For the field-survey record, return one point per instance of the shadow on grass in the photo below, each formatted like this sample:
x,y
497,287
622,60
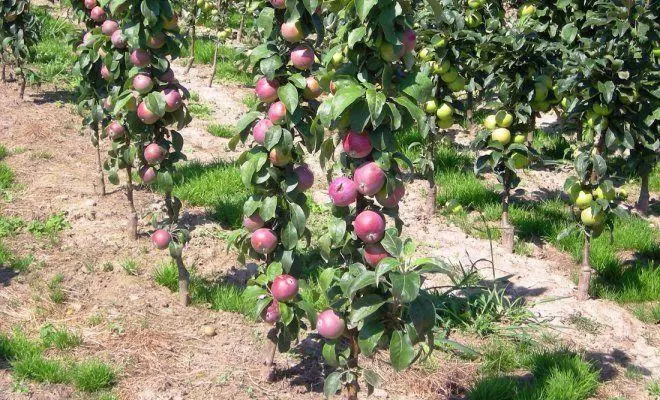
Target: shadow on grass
x,y
216,186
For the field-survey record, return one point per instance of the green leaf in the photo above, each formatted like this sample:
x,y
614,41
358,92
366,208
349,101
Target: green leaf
x,y
273,136
401,350
364,307
356,35
332,384
375,101
247,120
265,21
330,354
405,286
325,278
344,97
369,336
289,236
274,269
422,314
286,313
268,208
365,279
363,7
371,377
288,94
384,266
392,243
569,32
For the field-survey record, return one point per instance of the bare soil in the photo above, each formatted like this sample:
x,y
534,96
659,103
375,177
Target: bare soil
x,y
159,345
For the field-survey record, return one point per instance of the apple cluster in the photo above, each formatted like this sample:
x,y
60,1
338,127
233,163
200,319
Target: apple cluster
x,y
584,199
499,125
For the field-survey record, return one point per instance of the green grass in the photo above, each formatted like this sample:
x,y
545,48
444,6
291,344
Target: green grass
x,y
6,177
647,312
226,69
219,130
27,361
53,55
217,186
654,179
250,100
200,110
634,281
553,146
59,337
3,152
218,295
55,291
558,374
50,227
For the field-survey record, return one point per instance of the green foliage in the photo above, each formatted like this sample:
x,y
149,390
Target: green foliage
x,y
219,130
55,290
200,110
6,177
51,227
59,337
93,375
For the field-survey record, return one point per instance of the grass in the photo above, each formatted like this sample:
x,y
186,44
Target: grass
x,y
226,69
53,56
558,374
636,280
59,337
130,266
584,324
200,110
55,291
219,130
217,186
27,361
6,177
50,227
250,101
553,146
219,295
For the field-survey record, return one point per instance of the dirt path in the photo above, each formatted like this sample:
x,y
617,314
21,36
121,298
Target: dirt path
x,y
158,344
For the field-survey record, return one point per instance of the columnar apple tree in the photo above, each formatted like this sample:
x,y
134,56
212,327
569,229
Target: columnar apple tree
x,y
18,34
518,86
280,131
376,296
611,82
147,107
93,89
451,34
219,17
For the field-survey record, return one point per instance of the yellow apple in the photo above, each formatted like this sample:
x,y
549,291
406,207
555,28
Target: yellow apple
x,y
501,135
583,200
490,122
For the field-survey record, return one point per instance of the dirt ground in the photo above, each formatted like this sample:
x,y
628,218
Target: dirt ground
x,y
159,346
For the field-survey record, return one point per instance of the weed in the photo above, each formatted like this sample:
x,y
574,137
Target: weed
x,y
60,338
219,130
583,323
56,293
6,177
50,227
647,312
130,266
93,375
3,152
200,110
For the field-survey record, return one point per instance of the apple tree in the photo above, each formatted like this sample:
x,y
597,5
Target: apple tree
x,y
280,131
19,32
375,293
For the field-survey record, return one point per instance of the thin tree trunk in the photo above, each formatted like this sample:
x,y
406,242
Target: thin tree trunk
x,y
507,228
431,198
643,201
269,355
132,218
585,271
184,280
4,71
532,128
192,41
469,114
215,63
241,27
99,166
172,213
23,84
352,388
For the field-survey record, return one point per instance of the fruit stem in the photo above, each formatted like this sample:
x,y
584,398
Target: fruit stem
x,y
269,354
184,280
585,271
99,166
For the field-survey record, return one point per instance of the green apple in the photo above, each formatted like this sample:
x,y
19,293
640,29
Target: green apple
x,y
656,52
457,85
540,92
337,58
490,122
445,66
431,106
473,20
504,120
200,3
565,103
589,219
546,80
527,9
222,35
445,111
602,109
623,193
475,4
583,200
540,106
440,43
457,209
445,123
519,160
387,52
425,54
501,135
608,195
519,139
449,76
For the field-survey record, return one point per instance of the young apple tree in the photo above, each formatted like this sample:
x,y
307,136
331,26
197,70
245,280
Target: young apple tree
x,y
281,131
19,32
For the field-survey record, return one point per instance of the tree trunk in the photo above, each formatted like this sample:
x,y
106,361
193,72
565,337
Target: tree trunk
x,y
430,205
99,165
192,41
241,27
507,229
23,84
184,280
352,388
132,218
585,272
469,113
643,201
269,355
532,128
215,63
4,72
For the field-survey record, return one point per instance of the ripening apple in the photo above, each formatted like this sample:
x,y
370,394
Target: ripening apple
x,y
501,135
444,111
292,31
337,58
490,122
431,106
520,139
450,76
387,52
444,67
584,200
312,89
527,9
473,19
445,123
425,54
504,120
278,157
171,24
546,80
589,219
540,91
